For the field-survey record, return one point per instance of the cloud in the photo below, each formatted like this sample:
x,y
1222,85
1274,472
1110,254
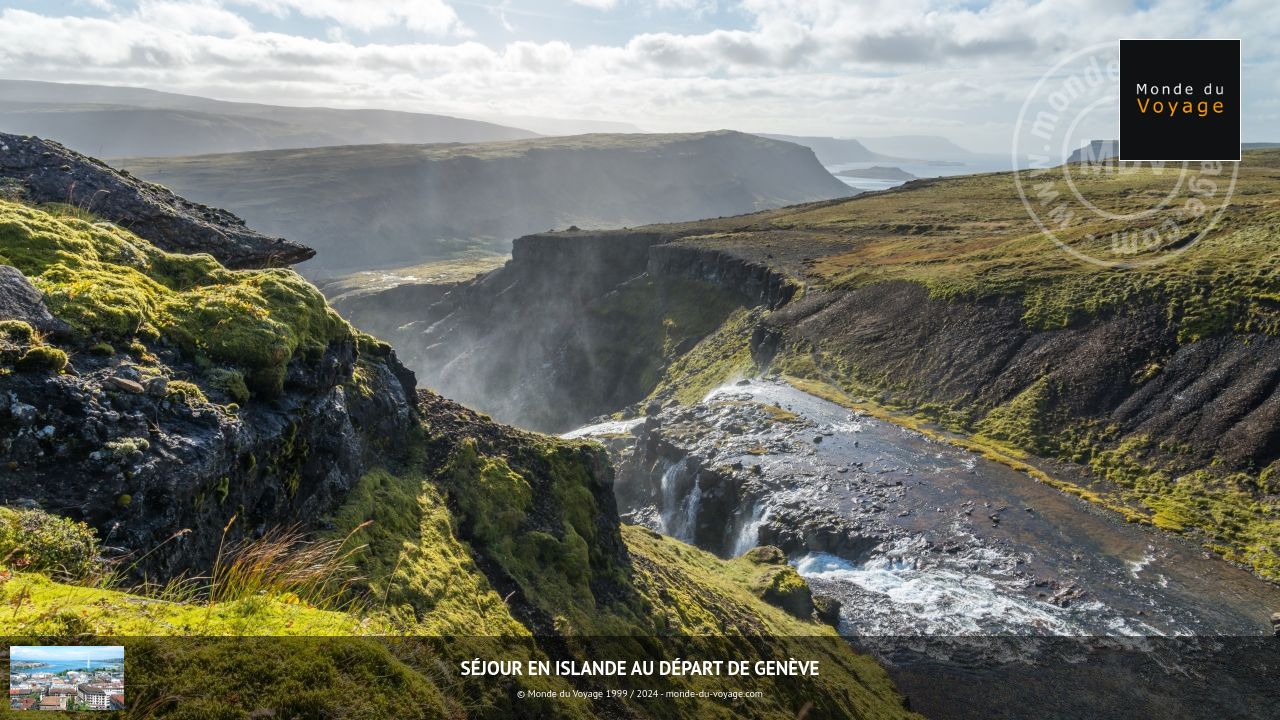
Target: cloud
x,y
426,16
801,66
597,4
192,16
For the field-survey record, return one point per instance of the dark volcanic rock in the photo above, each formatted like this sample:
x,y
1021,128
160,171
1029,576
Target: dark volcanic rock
x,y
20,300
144,467
48,172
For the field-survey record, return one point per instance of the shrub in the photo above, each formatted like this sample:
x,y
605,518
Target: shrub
x,y
38,541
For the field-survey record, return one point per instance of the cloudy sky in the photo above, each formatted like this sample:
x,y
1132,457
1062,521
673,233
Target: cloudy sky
x,y
825,67
67,653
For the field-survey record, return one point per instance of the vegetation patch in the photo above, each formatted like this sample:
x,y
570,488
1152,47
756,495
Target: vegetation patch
x,y
112,286
646,325
718,358
36,541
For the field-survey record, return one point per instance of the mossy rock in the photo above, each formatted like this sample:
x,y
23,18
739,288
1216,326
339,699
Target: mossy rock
x,y
827,609
112,286
230,382
42,358
17,331
184,391
784,588
766,555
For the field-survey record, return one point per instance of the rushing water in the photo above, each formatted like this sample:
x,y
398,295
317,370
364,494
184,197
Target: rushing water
x,y
975,548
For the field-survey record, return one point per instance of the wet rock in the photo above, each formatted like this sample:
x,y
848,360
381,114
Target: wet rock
x,y
827,609
1275,623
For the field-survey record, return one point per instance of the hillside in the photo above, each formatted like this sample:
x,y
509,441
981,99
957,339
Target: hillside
x,y
365,207
1150,391
202,452
831,151
108,121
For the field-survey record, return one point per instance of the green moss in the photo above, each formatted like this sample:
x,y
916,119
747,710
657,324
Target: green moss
x,y
18,331
370,345
414,565
44,602
1023,420
230,382
128,447
34,540
111,285
42,358
719,357
783,587
185,392
102,349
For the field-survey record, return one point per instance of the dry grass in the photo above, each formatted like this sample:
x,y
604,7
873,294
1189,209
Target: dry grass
x,y
284,563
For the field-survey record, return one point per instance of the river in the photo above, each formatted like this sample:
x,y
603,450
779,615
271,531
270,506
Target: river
x,y
936,544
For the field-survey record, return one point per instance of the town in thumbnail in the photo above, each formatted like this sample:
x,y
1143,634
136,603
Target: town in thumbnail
x,y
66,677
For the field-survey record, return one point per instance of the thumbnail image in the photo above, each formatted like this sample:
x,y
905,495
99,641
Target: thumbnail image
x,y
66,677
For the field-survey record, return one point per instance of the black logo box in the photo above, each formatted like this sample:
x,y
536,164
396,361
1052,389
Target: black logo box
x,y
1185,65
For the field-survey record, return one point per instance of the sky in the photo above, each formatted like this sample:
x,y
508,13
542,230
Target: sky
x,y
807,67
66,653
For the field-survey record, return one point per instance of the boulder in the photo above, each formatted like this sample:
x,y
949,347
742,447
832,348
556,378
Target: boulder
x,y
45,172
20,300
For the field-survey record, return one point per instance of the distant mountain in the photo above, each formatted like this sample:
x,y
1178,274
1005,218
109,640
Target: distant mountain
x,y
563,126
1096,151
380,206
878,172
831,151
920,147
108,121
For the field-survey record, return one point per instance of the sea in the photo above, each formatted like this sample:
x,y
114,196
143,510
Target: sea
x,y
58,666
922,169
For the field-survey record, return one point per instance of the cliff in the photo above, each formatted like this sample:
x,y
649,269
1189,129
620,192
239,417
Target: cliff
x,y
197,451
1150,391
379,206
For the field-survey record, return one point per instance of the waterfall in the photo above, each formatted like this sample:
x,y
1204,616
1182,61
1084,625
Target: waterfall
x,y
689,526
670,492
749,534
